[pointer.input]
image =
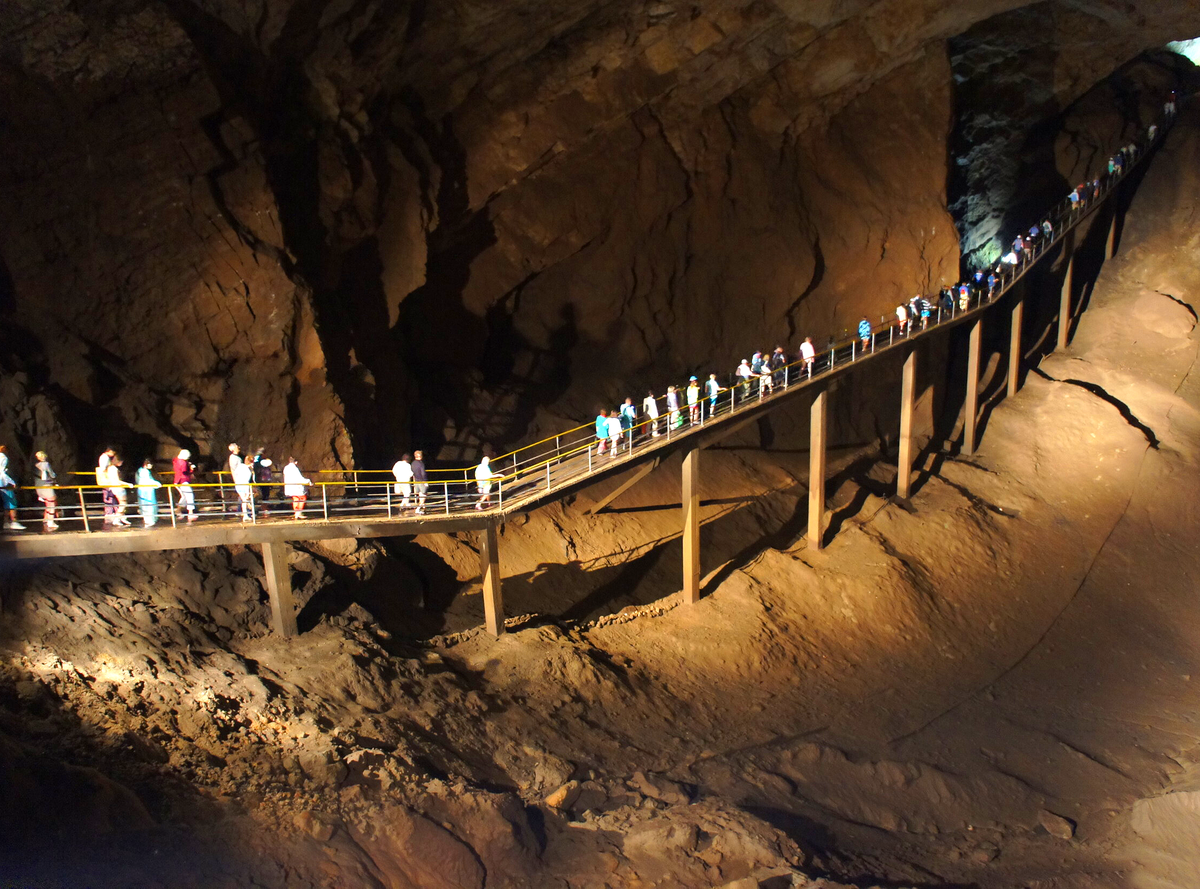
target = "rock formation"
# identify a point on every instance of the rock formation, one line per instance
(340, 230)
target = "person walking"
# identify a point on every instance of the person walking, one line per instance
(8, 493)
(602, 431)
(628, 420)
(263, 476)
(147, 493)
(674, 420)
(44, 487)
(650, 407)
(693, 400)
(864, 335)
(901, 318)
(243, 478)
(779, 366)
(745, 374)
(808, 354)
(296, 486)
(713, 390)
(484, 477)
(420, 479)
(116, 486)
(613, 428)
(765, 383)
(103, 464)
(183, 470)
(403, 472)
(235, 458)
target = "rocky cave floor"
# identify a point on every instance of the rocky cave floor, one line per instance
(993, 685)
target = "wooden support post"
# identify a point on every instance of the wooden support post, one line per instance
(972, 407)
(489, 563)
(691, 526)
(816, 470)
(1110, 248)
(1064, 304)
(1014, 347)
(638, 474)
(279, 588)
(908, 388)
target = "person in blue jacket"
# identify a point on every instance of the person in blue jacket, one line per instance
(864, 334)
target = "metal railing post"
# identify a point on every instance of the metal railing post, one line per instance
(355, 481)
(387, 490)
(171, 503)
(253, 507)
(83, 511)
(557, 449)
(446, 486)
(325, 501)
(547, 476)
(500, 493)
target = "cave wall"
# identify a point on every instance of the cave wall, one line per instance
(347, 230)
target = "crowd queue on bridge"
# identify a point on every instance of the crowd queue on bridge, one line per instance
(250, 488)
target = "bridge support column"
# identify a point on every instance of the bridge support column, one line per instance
(816, 470)
(1014, 347)
(1110, 248)
(489, 564)
(691, 526)
(279, 588)
(1064, 300)
(908, 389)
(972, 406)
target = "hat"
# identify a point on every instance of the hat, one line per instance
(265, 461)
(691, 378)
(185, 454)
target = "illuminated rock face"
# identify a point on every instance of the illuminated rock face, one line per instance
(340, 232)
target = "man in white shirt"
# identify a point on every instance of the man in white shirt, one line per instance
(403, 472)
(650, 406)
(808, 354)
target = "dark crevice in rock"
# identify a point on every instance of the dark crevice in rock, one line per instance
(1188, 306)
(1100, 392)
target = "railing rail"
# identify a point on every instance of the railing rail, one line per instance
(536, 471)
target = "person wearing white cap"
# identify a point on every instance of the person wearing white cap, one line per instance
(483, 481)
(693, 400)
(182, 471)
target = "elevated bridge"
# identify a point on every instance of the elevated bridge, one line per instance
(368, 505)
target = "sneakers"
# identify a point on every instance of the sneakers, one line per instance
(51, 526)
(13, 526)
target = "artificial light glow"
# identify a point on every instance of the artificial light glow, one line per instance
(1188, 48)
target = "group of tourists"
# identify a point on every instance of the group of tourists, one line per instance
(615, 430)
(248, 474)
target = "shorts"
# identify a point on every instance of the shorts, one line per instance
(9, 496)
